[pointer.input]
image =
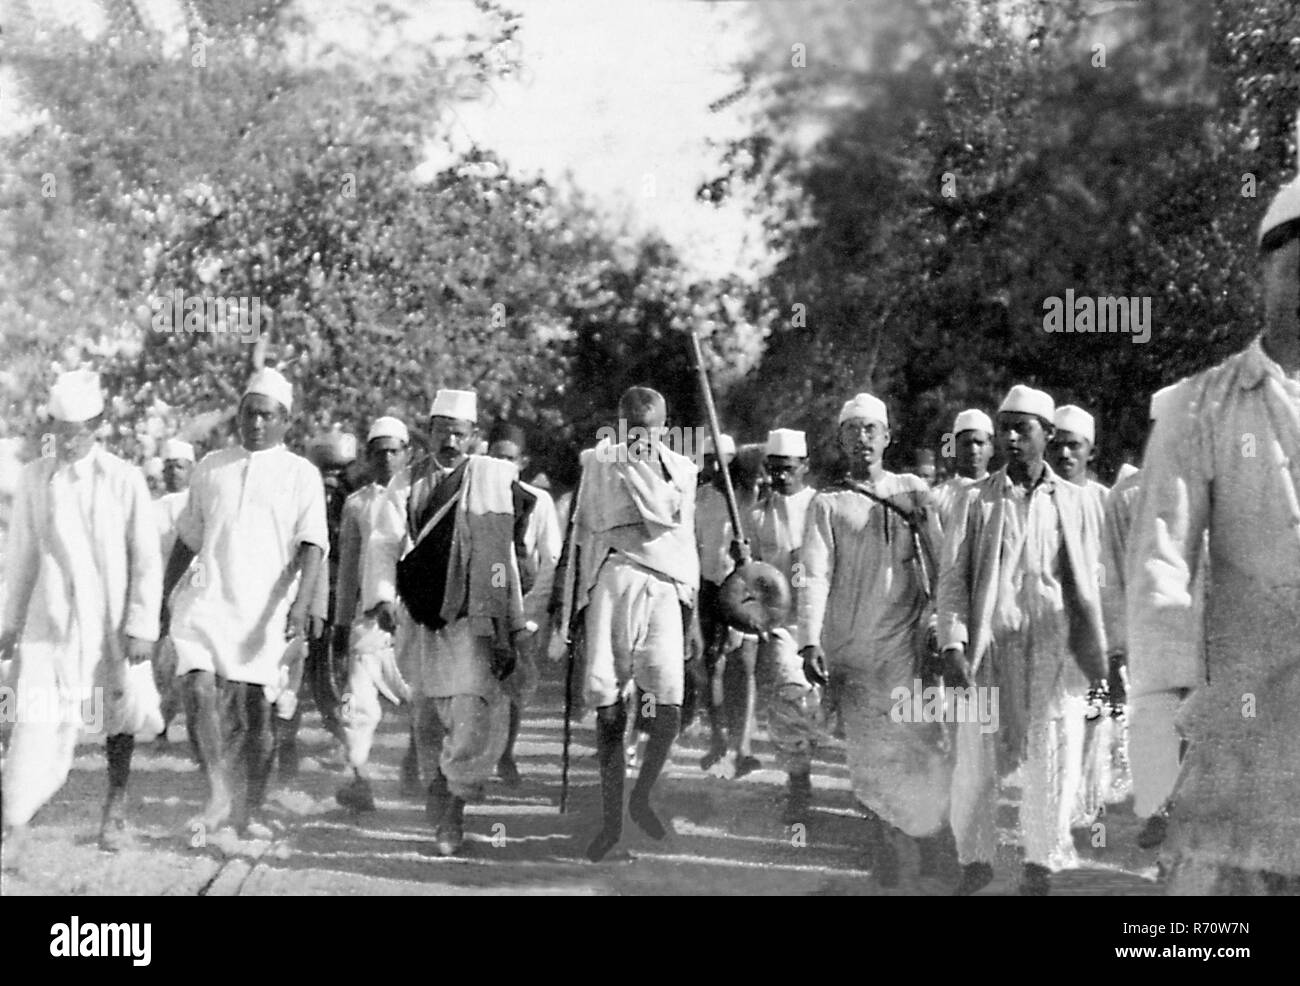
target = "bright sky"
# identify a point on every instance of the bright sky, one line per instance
(614, 93)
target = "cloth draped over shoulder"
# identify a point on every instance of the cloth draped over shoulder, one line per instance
(975, 598)
(465, 522)
(641, 508)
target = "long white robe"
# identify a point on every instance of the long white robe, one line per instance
(1007, 589)
(85, 542)
(862, 600)
(1105, 776)
(1226, 460)
(247, 514)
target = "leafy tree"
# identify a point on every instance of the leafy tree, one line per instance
(235, 168)
(973, 160)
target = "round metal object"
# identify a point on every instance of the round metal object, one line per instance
(755, 598)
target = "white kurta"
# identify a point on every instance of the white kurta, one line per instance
(1040, 687)
(85, 543)
(1095, 495)
(946, 495)
(1226, 459)
(167, 510)
(862, 600)
(360, 513)
(373, 668)
(247, 515)
(542, 544)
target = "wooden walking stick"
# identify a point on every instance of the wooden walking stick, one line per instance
(755, 597)
(569, 561)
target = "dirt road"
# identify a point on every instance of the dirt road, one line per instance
(727, 838)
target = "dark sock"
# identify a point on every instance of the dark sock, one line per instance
(259, 744)
(516, 718)
(118, 749)
(663, 731)
(611, 723)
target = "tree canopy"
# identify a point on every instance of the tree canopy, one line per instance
(928, 192)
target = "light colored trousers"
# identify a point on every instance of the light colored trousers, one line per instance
(372, 673)
(464, 736)
(793, 705)
(634, 633)
(1052, 772)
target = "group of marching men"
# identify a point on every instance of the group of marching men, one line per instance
(982, 593)
(1029, 589)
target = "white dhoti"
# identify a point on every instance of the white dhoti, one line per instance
(49, 715)
(634, 633)
(462, 712)
(84, 541)
(900, 770)
(1050, 775)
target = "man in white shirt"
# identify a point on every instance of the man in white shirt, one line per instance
(1223, 460)
(444, 544)
(255, 528)
(372, 665)
(540, 544)
(178, 462)
(83, 579)
(636, 578)
(1020, 625)
(972, 436)
(863, 604)
(793, 705)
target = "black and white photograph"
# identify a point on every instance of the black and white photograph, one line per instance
(695, 448)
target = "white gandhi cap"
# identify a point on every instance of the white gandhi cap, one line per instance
(76, 396)
(787, 441)
(388, 427)
(174, 448)
(1026, 400)
(459, 404)
(1070, 417)
(726, 441)
(864, 406)
(271, 383)
(972, 419)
